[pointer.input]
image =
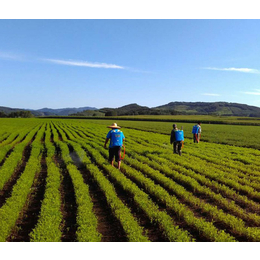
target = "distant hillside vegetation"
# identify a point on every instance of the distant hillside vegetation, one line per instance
(14, 112)
(61, 111)
(179, 108)
(131, 109)
(214, 108)
(6, 111)
(172, 108)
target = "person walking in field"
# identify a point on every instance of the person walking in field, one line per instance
(177, 139)
(196, 130)
(116, 138)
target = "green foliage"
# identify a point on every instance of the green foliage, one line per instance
(9, 213)
(48, 228)
(210, 193)
(22, 113)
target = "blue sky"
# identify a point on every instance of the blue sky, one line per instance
(111, 63)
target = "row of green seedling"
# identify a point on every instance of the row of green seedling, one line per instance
(133, 164)
(168, 227)
(236, 225)
(4, 136)
(86, 219)
(153, 187)
(204, 153)
(220, 176)
(249, 173)
(13, 206)
(240, 158)
(15, 138)
(204, 186)
(243, 199)
(48, 228)
(15, 159)
(162, 156)
(214, 174)
(183, 213)
(204, 180)
(131, 227)
(245, 178)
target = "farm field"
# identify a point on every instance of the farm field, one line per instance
(209, 119)
(238, 135)
(56, 183)
(204, 118)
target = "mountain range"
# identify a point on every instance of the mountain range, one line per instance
(179, 108)
(48, 111)
(172, 108)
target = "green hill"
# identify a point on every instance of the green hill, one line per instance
(172, 108)
(180, 108)
(214, 108)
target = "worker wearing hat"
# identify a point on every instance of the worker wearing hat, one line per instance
(177, 143)
(117, 138)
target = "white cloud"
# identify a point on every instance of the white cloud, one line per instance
(85, 64)
(211, 94)
(244, 70)
(9, 56)
(255, 93)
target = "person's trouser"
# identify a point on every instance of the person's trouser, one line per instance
(177, 147)
(114, 152)
(195, 138)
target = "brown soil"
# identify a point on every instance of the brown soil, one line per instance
(108, 225)
(6, 192)
(6, 156)
(152, 230)
(30, 214)
(68, 205)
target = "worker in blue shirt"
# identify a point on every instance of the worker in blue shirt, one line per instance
(196, 130)
(177, 139)
(116, 142)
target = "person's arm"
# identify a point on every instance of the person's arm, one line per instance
(172, 137)
(106, 142)
(107, 138)
(123, 138)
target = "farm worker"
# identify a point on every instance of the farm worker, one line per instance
(177, 139)
(116, 141)
(196, 130)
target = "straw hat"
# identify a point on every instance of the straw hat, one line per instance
(114, 125)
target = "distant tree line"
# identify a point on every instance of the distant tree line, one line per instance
(17, 114)
(121, 112)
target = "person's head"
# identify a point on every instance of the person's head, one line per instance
(114, 126)
(174, 126)
(199, 123)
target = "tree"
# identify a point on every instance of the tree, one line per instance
(2, 114)
(22, 113)
(111, 113)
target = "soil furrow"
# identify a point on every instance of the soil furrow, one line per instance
(152, 230)
(5, 138)
(108, 225)
(6, 156)
(162, 207)
(6, 192)
(68, 205)
(30, 214)
(153, 234)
